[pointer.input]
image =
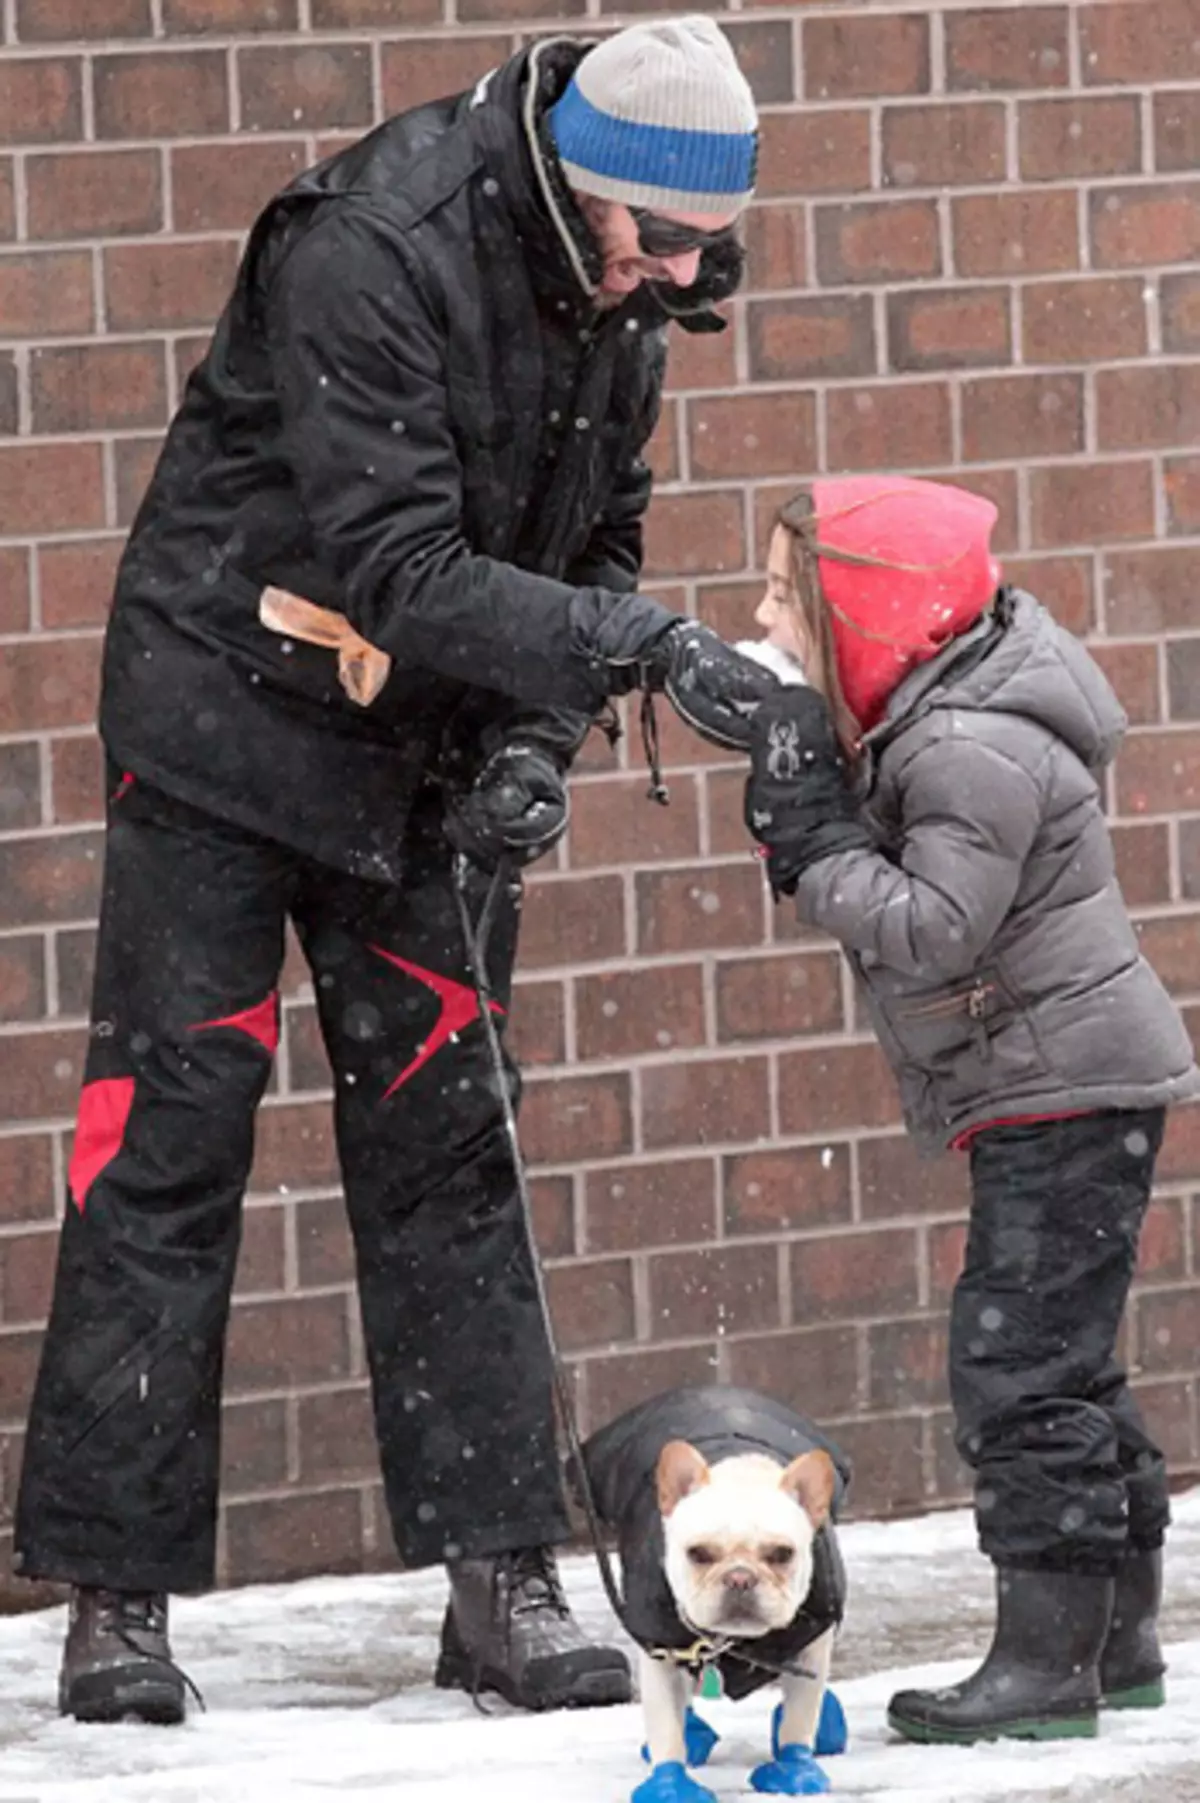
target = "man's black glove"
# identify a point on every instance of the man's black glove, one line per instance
(713, 688)
(798, 802)
(516, 807)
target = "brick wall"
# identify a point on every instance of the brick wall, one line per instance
(975, 253)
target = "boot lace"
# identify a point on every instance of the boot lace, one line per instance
(533, 1581)
(130, 1616)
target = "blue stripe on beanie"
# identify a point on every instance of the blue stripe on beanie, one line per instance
(689, 163)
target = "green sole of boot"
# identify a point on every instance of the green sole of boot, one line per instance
(1142, 1696)
(1062, 1727)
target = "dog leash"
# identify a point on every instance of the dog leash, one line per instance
(706, 1650)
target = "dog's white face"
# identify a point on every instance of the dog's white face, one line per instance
(739, 1536)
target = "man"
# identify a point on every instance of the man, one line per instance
(383, 580)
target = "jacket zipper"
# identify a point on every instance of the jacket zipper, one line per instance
(973, 1002)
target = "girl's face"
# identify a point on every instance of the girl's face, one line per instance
(778, 613)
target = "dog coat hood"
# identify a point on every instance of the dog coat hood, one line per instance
(722, 1423)
(905, 566)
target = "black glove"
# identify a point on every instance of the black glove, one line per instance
(713, 688)
(516, 807)
(798, 802)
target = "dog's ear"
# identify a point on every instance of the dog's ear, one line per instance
(811, 1481)
(681, 1469)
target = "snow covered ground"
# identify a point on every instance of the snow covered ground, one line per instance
(319, 1690)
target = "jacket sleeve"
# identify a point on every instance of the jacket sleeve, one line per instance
(612, 558)
(358, 361)
(970, 814)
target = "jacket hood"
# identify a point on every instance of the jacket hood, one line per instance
(1019, 660)
(905, 567)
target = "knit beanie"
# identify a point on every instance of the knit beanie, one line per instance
(660, 116)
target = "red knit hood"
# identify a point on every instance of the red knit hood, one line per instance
(905, 566)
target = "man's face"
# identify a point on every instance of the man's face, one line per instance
(626, 264)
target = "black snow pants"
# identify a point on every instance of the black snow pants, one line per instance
(1067, 1476)
(119, 1486)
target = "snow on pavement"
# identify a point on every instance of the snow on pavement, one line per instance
(320, 1689)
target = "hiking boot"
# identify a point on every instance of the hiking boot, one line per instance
(1041, 1679)
(508, 1628)
(1132, 1665)
(117, 1659)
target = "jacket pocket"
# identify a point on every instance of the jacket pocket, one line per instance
(966, 1013)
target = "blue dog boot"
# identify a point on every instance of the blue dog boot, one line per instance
(698, 1740)
(792, 1773)
(832, 1733)
(670, 1784)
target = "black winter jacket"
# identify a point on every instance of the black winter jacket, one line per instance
(412, 413)
(722, 1423)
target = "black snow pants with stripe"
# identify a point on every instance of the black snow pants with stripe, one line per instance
(119, 1486)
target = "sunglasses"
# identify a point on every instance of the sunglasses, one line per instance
(659, 237)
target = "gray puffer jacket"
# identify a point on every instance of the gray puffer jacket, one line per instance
(988, 930)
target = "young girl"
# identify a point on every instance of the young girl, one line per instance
(931, 799)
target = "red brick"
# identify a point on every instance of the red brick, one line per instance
(165, 286)
(167, 94)
(1141, 408)
(661, 451)
(134, 461)
(706, 1102)
(1083, 322)
(722, 1289)
(687, 535)
(1180, 303)
(1082, 504)
(620, 1383)
(350, 15)
(304, 87)
(40, 100)
(877, 241)
(1162, 1253)
(947, 1245)
(895, 426)
(1177, 131)
(98, 387)
(1168, 1329)
(907, 1363)
(9, 404)
(613, 822)
(26, 1178)
(864, 56)
(76, 582)
(20, 786)
(429, 69)
(814, 153)
(293, 1148)
(753, 435)
(1016, 234)
(654, 1008)
(276, 1538)
(94, 194)
(254, 1446)
(669, 1203)
(337, 1436)
(701, 359)
(51, 488)
(765, 56)
(8, 199)
(1159, 773)
(778, 997)
(22, 960)
(516, 10)
(1079, 138)
(592, 1303)
(262, 1255)
(1133, 226)
(220, 187)
(1171, 942)
(189, 352)
(1169, 1410)
(942, 145)
(1021, 416)
(1133, 672)
(40, 1074)
(77, 781)
(575, 921)
(1180, 1156)
(1181, 481)
(308, 1063)
(700, 909)
(802, 339)
(1139, 40)
(1064, 584)
(951, 328)
(776, 248)
(821, 1362)
(894, 1181)
(191, 18)
(325, 1254)
(14, 588)
(27, 1262)
(886, 1454)
(1152, 590)
(553, 1201)
(787, 1190)
(854, 1274)
(45, 293)
(565, 1119)
(45, 21)
(1143, 855)
(835, 1086)
(537, 1032)
(294, 1340)
(1006, 47)
(18, 1368)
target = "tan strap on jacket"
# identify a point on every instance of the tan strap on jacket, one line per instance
(362, 667)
